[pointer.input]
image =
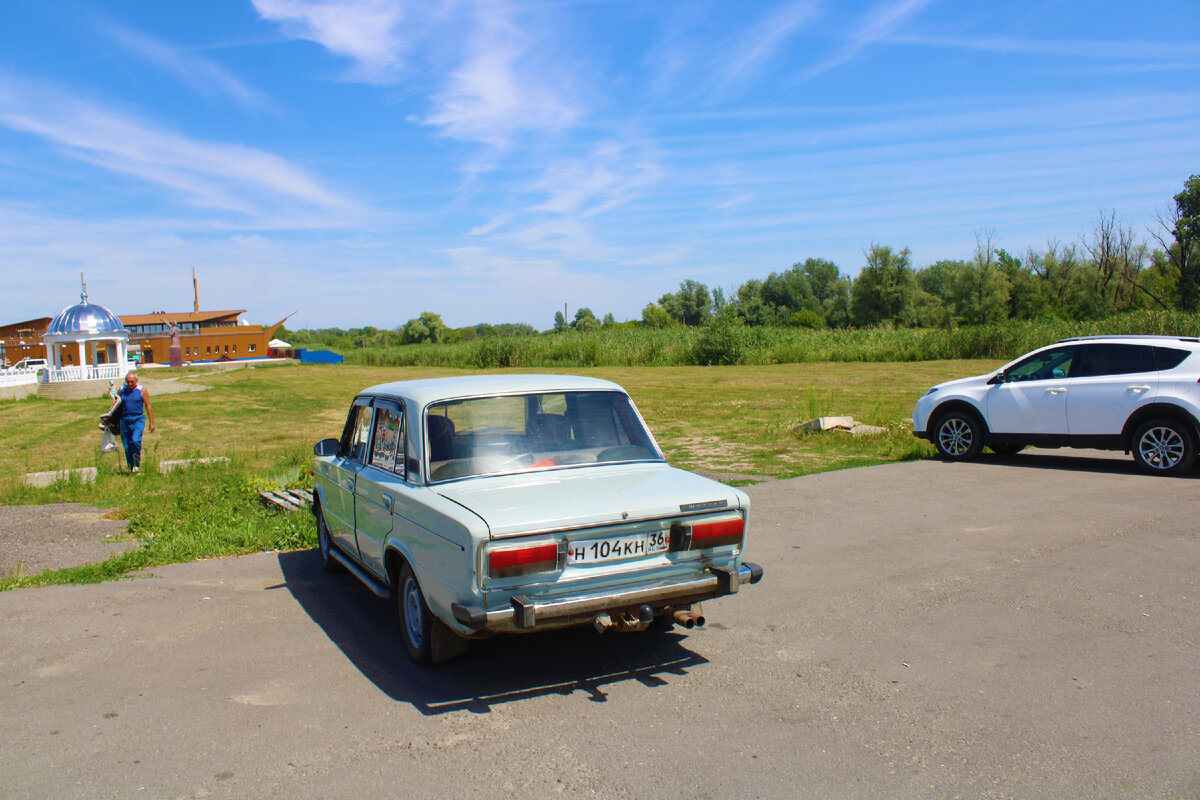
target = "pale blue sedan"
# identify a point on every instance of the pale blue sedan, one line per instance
(512, 503)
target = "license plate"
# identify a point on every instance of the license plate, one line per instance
(591, 551)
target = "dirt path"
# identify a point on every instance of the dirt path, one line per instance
(34, 538)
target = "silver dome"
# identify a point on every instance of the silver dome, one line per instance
(85, 318)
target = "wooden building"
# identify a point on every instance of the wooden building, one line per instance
(22, 340)
(203, 335)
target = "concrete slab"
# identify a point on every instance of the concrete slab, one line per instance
(44, 479)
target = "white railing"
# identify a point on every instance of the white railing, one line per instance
(87, 372)
(19, 377)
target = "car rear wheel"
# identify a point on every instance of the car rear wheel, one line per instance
(325, 546)
(416, 621)
(958, 436)
(1164, 447)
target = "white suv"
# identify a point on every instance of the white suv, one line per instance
(1140, 394)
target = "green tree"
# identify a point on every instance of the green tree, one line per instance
(691, 305)
(1182, 225)
(433, 322)
(886, 288)
(979, 290)
(585, 320)
(560, 321)
(655, 316)
(823, 277)
(609, 320)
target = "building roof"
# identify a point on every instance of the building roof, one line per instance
(180, 317)
(84, 317)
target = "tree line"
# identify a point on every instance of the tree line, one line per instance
(1109, 270)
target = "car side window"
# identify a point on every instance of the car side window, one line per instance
(1050, 364)
(387, 448)
(1114, 359)
(1169, 357)
(361, 435)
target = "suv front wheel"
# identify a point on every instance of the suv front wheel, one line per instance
(1164, 447)
(958, 436)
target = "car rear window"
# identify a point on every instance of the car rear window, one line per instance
(518, 433)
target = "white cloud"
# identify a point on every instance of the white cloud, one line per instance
(499, 90)
(231, 177)
(365, 31)
(205, 76)
(879, 24)
(1075, 48)
(760, 43)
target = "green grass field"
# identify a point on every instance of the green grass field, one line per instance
(737, 420)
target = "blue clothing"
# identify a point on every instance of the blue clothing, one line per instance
(131, 437)
(132, 401)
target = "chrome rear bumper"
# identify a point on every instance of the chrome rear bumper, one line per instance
(525, 614)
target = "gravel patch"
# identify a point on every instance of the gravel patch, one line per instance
(58, 535)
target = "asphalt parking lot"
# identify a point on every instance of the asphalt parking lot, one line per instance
(1024, 627)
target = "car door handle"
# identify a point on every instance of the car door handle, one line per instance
(1056, 390)
(387, 502)
(350, 484)
(1142, 388)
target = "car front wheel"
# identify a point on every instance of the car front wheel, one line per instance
(1164, 447)
(325, 546)
(958, 436)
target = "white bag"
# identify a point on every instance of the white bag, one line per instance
(108, 442)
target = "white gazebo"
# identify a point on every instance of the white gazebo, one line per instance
(86, 343)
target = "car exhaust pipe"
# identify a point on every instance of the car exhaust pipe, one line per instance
(689, 619)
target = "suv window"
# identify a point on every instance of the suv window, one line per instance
(1114, 359)
(1169, 357)
(1046, 365)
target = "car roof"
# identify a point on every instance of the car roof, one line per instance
(1126, 337)
(430, 390)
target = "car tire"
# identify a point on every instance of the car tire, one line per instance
(325, 546)
(416, 620)
(958, 435)
(1164, 447)
(1005, 449)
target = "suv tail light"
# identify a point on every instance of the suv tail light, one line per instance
(522, 560)
(707, 534)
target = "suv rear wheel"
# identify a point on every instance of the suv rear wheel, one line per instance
(958, 435)
(1164, 447)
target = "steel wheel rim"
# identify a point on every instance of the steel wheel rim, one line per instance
(323, 538)
(955, 436)
(412, 611)
(1162, 447)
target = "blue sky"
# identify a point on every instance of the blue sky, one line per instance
(361, 161)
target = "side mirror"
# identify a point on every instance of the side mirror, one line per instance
(326, 447)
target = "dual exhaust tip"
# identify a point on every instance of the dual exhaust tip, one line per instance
(640, 620)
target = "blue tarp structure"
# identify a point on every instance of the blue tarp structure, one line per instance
(318, 356)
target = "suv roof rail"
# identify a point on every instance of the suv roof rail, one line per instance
(1136, 336)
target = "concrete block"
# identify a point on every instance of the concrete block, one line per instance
(167, 466)
(44, 479)
(866, 430)
(827, 423)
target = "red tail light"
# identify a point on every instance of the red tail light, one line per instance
(718, 534)
(521, 560)
(707, 534)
